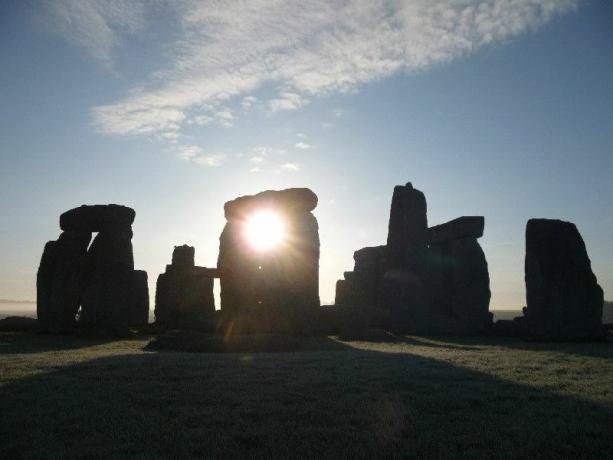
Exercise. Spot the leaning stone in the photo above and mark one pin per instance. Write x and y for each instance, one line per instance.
(96, 218)
(462, 227)
(564, 300)
(471, 285)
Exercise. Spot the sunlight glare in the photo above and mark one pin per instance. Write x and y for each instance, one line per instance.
(264, 230)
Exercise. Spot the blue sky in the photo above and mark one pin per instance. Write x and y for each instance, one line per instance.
(497, 108)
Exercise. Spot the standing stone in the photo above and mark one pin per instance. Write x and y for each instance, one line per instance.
(471, 286)
(404, 287)
(139, 301)
(407, 231)
(108, 285)
(564, 300)
(59, 280)
(286, 275)
(458, 278)
(184, 293)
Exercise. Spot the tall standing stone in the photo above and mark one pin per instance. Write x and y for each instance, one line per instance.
(59, 280)
(108, 282)
(404, 290)
(564, 300)
(139, 300)
(407, 231)
(285, 275)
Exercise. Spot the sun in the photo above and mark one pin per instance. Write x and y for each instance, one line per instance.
(264, 230)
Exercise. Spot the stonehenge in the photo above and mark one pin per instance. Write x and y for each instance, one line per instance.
(96, 280)
(184, 292)
(424, 280)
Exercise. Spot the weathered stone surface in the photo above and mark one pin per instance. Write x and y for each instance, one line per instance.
(184, 293)
(108, 281)
(59, 281)
(462, 227)
(564, 300)
(286, 276)
(96, 218)
(408, 224)
(139, 301)
(291, 200)
(405, 295)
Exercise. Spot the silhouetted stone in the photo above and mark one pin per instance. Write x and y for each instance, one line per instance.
(471, 285)
(96, 218)
(413, 288)
(183, 257)
(108, 281)
(291, 201)
(408, 224)
(184, 293)
(564, 300)
(405, 295)
(284, 277)
(139, 302)
(462, 227)
(59, 280)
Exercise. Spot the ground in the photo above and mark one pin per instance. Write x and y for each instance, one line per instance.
(66, 397)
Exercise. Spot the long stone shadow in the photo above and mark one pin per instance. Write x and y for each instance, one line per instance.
(25, 342)
(590, 349)
(350, 403)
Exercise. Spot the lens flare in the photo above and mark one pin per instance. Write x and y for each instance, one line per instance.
(264, 230)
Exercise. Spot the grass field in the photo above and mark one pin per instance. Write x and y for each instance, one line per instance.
(418, 397)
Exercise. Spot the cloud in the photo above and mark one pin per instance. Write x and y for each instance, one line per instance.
(212, 160)
(287, 101)
(225, 51)
(247, 102)
(302, 145)
(225, 118)
(195, 154)
(290, 167)
(96, 26)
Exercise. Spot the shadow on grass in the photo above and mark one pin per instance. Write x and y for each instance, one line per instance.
(589, 349)
(353, 403)
(22, 342)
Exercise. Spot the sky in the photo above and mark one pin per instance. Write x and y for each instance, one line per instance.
(501, 108)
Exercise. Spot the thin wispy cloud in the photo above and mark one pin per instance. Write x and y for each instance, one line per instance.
(290, 167)
(302, 145)
(212, 160)
(96, 26)
(305, 49)
(195, 154)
